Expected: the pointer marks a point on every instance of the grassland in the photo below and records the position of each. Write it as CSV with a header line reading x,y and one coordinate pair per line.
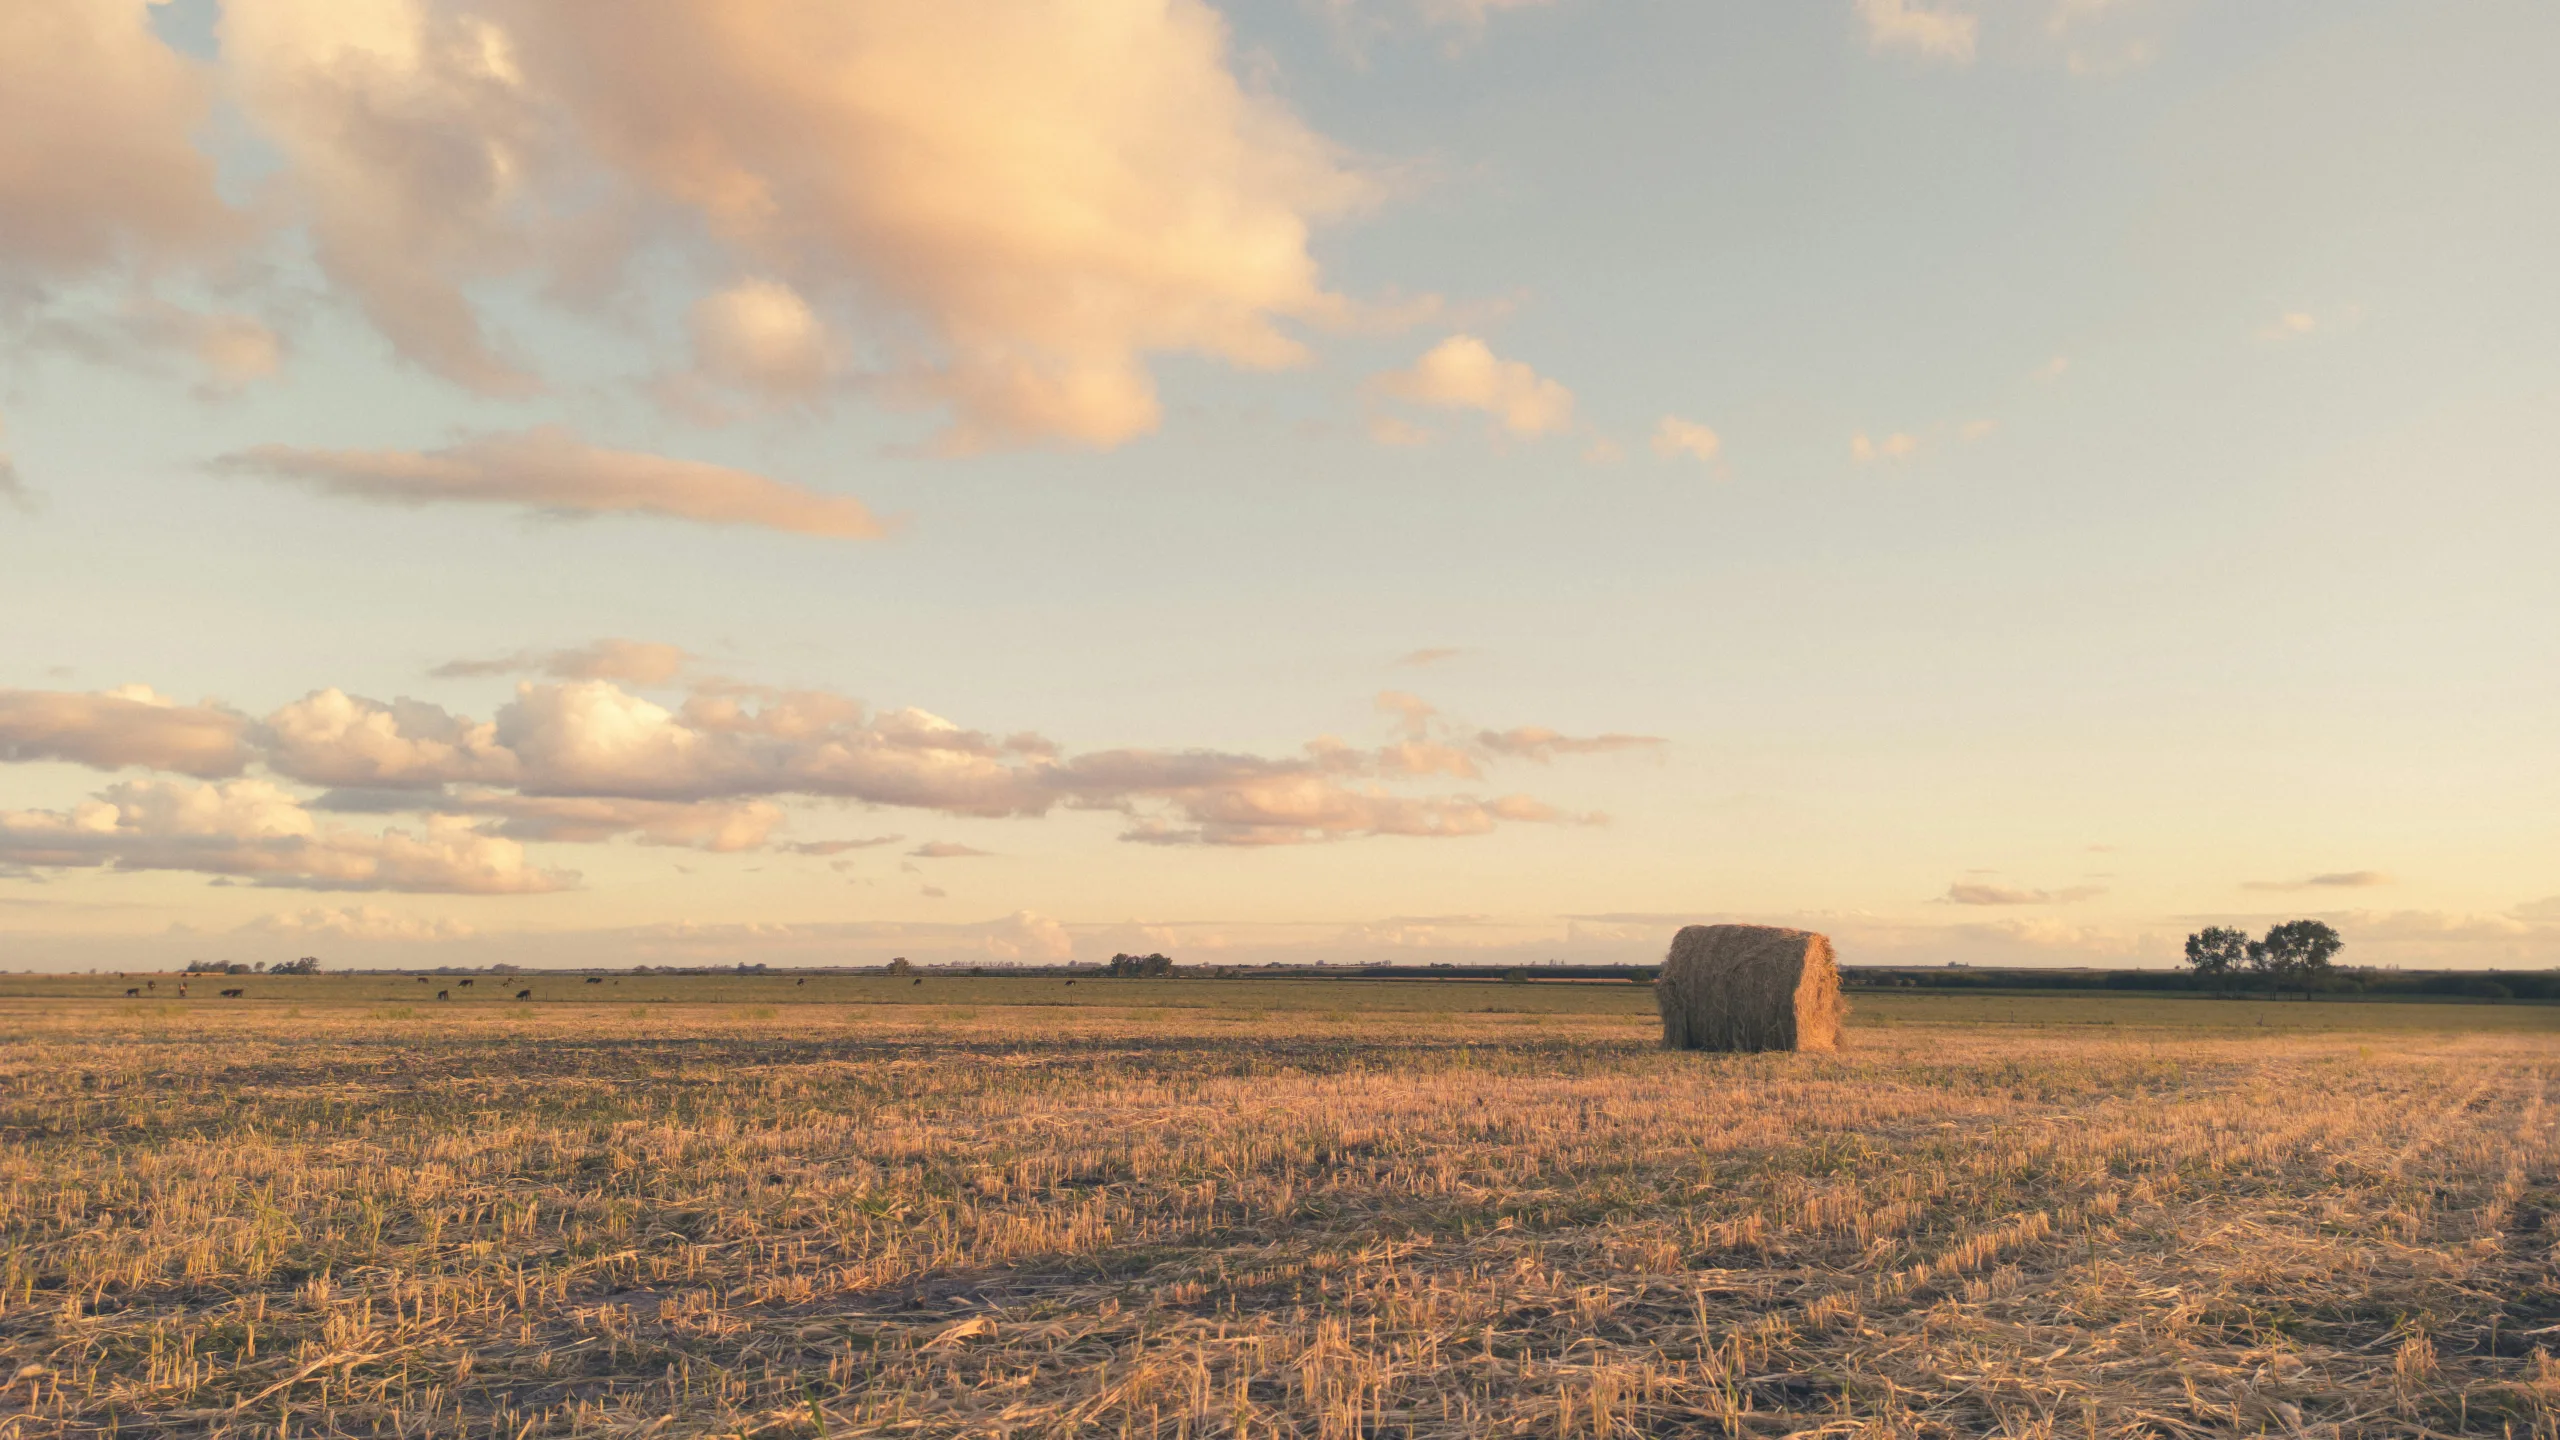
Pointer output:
x,y
689,1206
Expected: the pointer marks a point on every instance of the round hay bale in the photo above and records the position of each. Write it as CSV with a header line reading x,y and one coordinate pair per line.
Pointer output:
x,y
1749,987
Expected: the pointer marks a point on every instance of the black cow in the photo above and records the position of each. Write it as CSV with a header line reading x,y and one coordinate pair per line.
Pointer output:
x,y
132,993
233,994
444,994
919,979
595,979
466,984
524,994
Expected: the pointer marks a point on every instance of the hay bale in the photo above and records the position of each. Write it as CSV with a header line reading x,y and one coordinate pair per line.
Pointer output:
x,y
1749,987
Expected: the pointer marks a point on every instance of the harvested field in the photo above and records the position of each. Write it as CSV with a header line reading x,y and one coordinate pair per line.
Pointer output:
x,y
1139,1219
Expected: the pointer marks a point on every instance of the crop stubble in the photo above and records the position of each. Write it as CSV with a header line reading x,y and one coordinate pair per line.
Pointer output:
x,y
1049,1222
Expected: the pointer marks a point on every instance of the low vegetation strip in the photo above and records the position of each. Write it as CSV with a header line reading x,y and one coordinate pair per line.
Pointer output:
x,y
859,1219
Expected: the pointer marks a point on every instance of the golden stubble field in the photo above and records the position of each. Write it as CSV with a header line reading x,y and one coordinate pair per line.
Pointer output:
x,y
671,1219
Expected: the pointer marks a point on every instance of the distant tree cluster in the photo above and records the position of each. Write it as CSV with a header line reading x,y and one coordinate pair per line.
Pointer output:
x,y
2294,955
1144,967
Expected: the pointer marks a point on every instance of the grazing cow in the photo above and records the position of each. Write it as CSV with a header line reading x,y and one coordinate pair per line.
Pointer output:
x,y
233,994
133,992
1071,982
524,994
466,984
799,982
595,979
919,979
421,979
444,994
150,984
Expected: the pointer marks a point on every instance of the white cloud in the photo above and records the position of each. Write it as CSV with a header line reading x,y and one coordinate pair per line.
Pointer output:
x,y
111,729
948,850
359,922
550,472
1932,34
1983,892
254,830
329,737
721,826
1462,373
410,136
760,335
587,761
13,490
638,662
1537,742
1896,446
1023,203
1973,430
2334,880
1431,655
96,167
1674,437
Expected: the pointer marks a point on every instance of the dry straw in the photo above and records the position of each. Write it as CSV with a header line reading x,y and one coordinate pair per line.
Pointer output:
x,y
1749,987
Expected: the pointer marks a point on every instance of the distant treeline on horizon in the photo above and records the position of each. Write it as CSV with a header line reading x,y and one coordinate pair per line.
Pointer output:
x,y
2344,983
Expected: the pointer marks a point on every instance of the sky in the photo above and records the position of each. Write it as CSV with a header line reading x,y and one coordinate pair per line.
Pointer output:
x,y
1485,481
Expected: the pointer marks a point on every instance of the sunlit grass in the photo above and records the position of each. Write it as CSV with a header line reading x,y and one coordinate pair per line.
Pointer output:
x,y
397,1217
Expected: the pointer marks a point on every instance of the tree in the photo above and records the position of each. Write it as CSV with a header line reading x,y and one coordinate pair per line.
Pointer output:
x,y
2217,950
2296,952
1148,967
900,966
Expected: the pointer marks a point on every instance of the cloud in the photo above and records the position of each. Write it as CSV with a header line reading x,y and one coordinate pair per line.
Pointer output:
x,y
13,490
2432,926
839,847
230,350
1397,431
1973,430
638,662
722,826
111,729
586,761
329,737
1462,373
411,144
550,472
1896,446
1536,742
1674,437
759,335
96,165
252,829
1967,892
1431,655
2334,880
947,850
1931,34
360,922
1020,203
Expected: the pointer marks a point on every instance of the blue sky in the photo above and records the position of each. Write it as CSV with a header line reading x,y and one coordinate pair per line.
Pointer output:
x,y
2117,464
